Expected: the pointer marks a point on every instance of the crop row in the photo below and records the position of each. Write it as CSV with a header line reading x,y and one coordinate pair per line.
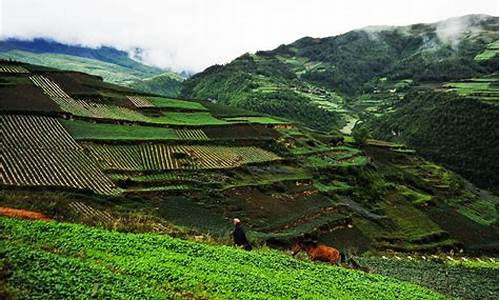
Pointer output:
x,y
169,176
65,261
90,212
65,168
59,96
104,111
50,88
13,69
140,102
191,134
163,188
37,132
84,108
38,151
167,157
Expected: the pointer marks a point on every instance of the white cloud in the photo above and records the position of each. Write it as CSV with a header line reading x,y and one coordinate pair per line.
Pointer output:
x,y
194,34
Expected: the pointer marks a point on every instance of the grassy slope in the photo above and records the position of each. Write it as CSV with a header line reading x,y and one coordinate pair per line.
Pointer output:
x,y
163,102
165,84
144,78
459,280
64,261
316,74
370,71
460,133
108,71
82,130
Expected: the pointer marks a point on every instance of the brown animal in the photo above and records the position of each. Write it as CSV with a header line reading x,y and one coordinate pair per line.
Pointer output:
x,y
317,252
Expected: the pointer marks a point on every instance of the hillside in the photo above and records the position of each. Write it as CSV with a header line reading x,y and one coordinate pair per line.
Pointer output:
x,y
87,146
78,149
332,83
73,261
112,65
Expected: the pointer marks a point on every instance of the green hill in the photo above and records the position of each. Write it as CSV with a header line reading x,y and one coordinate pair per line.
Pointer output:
x,y
331,83
112,65
82,150
67,261
213,160
165,84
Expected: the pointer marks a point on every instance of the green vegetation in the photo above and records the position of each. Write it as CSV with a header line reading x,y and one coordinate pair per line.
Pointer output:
x,y
163,102
111,64
341,156
315,80
82,130
457,279
415,197
490,52
166,84
335,186
71,261
191,118
257,120
484,89
360,134
460,133
108,71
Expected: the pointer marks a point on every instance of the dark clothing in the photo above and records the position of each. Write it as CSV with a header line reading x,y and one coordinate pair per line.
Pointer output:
x,y
239,237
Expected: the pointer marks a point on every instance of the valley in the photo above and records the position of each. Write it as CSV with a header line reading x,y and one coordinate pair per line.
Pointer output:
x,y
117,182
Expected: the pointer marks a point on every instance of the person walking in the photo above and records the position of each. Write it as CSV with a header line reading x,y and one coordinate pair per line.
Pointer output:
x,y
239,237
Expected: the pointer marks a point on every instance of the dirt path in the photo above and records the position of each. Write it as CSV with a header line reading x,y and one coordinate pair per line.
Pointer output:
x,y
22,214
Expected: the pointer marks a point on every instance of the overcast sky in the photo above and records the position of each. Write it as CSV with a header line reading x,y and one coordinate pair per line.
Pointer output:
x,y
194,34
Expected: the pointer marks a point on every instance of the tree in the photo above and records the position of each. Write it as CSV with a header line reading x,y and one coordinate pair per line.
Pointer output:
x,y
360,133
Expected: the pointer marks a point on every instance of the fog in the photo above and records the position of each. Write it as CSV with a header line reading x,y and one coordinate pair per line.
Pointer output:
x,y
194,34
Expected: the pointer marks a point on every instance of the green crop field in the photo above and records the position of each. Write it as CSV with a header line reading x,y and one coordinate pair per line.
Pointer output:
x,y
165,157
457,278
258,120
65,261
490,52
108,71
103,111
188,118
82,130
485,89
164,102
38,151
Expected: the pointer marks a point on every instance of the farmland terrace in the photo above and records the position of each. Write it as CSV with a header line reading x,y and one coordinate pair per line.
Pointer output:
x,y
106,155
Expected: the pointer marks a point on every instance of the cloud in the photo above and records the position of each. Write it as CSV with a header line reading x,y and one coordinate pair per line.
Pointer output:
x,y
194,34
452,31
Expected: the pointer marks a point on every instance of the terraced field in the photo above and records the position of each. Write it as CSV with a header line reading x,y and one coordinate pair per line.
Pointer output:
x,y
83,130
38,152
85,108
161,267
191,134
175,104
87,211
140,102
484,89
13,69
167,157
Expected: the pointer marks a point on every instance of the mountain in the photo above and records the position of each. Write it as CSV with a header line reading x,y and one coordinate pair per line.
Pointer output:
x,y
367,76
187,159
157,171
111,64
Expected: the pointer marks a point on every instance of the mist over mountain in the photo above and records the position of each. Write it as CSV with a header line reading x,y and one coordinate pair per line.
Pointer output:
x,y
113,65
365,76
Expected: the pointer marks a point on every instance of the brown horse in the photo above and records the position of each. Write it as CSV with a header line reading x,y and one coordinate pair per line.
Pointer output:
x,y
317,252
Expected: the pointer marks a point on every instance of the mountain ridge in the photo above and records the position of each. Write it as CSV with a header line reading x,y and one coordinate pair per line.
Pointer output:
x,y
333,83
114,65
